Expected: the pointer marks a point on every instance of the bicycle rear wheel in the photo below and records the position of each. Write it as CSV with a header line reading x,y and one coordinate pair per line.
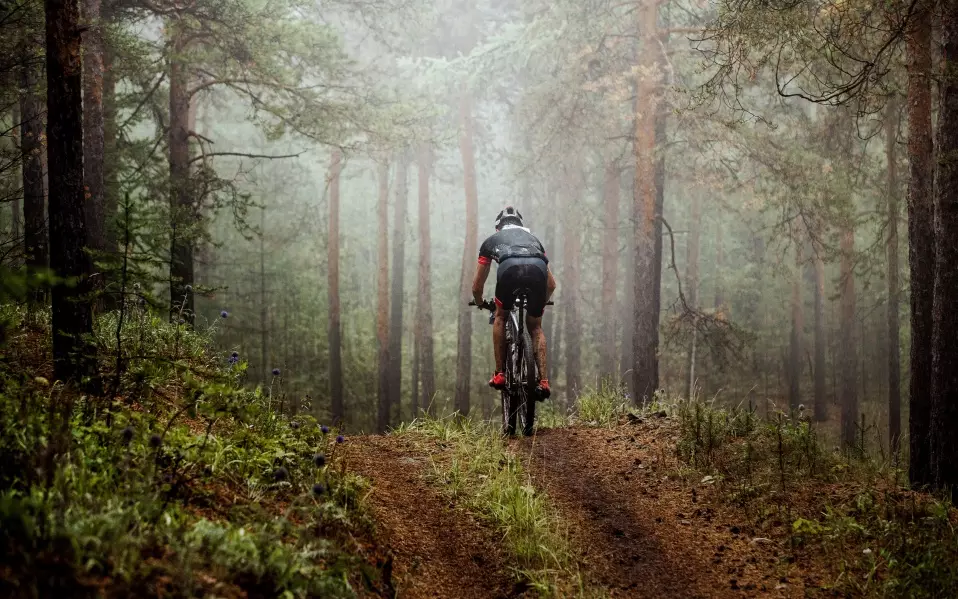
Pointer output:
x,y
528,379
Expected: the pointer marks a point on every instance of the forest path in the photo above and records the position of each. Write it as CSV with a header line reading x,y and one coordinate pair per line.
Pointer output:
x,y
640,532
438,550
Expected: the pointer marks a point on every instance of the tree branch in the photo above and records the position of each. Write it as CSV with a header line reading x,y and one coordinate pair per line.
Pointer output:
x,y
244,155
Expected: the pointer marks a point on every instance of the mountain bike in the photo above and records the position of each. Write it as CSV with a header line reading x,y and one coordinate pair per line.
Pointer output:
x,y
522,375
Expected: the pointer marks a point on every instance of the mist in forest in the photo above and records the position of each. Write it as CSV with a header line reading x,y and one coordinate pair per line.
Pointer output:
x,y
310,182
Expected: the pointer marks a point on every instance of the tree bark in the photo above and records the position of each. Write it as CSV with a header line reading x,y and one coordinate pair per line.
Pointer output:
x,y
424,305
796,351
181,201
921,242
821,409
337,408
692,282
35,244
944,359
396,299
111,186
382,295
93,133
469,255
263,302
849,351
610,270
74,357
894,347
645,338
16,208
570,286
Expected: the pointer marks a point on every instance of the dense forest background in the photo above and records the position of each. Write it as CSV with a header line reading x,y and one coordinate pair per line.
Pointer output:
x,y
720,187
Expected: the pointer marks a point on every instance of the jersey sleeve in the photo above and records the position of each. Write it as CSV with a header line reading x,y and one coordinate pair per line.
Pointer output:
x,y
485,252
542,248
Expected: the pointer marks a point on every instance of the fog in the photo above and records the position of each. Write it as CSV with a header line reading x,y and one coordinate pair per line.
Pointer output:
x,y
680,194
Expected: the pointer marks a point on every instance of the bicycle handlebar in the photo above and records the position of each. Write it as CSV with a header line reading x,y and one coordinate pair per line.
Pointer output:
x,y
491,306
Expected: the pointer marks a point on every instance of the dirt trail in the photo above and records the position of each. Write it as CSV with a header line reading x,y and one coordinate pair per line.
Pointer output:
x,y
641,534
438,550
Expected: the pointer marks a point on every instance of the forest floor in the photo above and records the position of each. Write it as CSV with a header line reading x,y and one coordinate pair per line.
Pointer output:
x,y
638,528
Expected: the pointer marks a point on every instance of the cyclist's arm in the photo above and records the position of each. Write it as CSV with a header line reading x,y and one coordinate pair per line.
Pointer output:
x,y
550,284
479,282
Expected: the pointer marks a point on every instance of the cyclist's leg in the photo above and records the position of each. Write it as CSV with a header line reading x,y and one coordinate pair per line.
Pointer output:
x,y
538,335
536,278
499,337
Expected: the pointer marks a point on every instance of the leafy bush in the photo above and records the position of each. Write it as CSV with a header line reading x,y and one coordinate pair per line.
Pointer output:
x,y
183,480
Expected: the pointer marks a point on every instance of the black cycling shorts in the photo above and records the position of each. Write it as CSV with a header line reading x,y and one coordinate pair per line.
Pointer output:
x,y
515,274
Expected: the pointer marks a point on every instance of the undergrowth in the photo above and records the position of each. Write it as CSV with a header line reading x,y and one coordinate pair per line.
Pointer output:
x,y
480,472
179,483
846,508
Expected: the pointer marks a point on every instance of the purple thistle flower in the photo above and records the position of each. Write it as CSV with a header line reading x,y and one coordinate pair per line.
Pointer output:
x,y
320,460
340,439
324,429
155,440
224,314
276,372
281,474
127,435
319,489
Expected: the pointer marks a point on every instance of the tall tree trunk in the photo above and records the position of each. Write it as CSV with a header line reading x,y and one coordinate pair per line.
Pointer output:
x,y
181,202
93,134
263,304
610,269
944,358
894,348
111,186
921,242
469,255
692,282
796,351
570,286
821,410
382,301
849,376
16,208
720,266
424,305
35,246
335,329
645,339
74,358
396,299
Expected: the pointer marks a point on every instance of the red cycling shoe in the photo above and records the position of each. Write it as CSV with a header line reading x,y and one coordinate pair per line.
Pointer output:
x,y
498,381
543,389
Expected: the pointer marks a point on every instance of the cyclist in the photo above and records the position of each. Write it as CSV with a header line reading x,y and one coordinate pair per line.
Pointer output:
x,y
522,263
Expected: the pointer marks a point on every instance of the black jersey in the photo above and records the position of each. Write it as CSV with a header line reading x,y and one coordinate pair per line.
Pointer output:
x,y
511,241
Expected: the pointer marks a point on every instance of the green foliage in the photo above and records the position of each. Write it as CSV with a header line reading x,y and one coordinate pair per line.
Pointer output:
x,y
882,540
603,405
199,487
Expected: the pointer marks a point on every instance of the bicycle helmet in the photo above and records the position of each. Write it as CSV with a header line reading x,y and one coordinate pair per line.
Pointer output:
x,y
508,216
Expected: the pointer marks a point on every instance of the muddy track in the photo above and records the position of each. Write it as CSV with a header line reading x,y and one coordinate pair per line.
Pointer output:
x,y
640,535
437,549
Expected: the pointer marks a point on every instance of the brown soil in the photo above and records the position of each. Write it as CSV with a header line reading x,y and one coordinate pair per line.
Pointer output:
x,y
641,529
438,550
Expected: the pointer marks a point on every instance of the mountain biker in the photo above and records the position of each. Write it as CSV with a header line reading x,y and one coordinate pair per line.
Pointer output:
x,y
522,263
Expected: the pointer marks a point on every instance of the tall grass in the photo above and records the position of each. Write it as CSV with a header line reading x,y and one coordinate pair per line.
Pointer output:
x,y
482,473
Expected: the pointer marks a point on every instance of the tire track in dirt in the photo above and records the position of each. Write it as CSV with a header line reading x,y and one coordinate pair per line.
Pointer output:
x,y
437,550
636,536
